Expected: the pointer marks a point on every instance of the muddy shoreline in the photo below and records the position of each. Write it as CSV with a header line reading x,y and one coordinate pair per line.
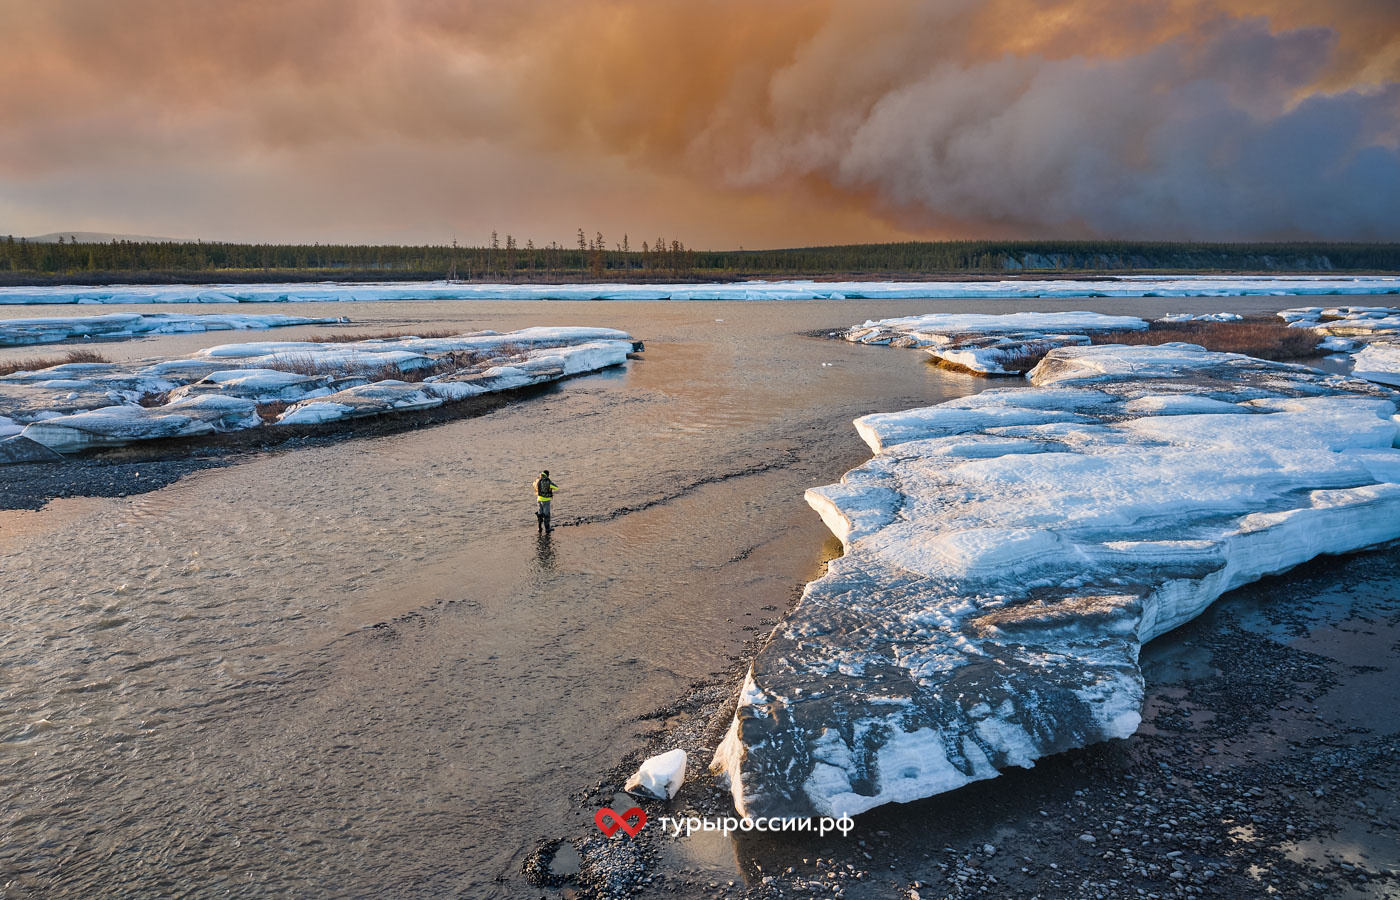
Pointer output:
x,y
1261,768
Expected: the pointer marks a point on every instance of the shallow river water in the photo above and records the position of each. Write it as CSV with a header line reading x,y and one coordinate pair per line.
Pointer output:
x,y
354,669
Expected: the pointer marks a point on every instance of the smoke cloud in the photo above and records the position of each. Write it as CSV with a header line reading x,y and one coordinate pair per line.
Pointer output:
x,y
723,122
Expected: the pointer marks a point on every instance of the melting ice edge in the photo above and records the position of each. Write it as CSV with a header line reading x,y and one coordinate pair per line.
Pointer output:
x,y
1007,555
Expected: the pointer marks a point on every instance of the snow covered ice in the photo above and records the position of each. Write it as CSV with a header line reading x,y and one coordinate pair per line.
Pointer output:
x,y
1379,362
78,406
1126,286
1373,332
1202,317
1345,321
118,425
660,777
1008,553
991,344
50,330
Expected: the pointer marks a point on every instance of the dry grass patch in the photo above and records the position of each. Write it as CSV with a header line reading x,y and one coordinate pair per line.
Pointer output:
x,y
270,410
939,362
1260,338
35,363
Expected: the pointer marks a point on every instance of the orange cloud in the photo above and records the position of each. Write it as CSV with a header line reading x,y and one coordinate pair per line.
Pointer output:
x,y
721,122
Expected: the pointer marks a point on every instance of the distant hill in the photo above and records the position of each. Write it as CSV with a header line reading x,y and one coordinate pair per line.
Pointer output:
x,y
101,237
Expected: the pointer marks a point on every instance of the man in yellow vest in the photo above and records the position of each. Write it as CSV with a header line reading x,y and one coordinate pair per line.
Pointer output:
x,y
544,493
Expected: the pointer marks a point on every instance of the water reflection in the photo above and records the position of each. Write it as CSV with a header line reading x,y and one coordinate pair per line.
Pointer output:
x,y
544,552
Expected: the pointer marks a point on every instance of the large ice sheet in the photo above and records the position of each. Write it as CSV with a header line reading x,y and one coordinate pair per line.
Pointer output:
x,y
78,406
1127,286
1007,554
49,330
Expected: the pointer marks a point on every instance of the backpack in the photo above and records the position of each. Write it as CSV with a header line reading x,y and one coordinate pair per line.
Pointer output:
x,y
542,487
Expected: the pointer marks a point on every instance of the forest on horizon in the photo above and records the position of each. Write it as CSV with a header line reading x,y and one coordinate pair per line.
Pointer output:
x,y
26,262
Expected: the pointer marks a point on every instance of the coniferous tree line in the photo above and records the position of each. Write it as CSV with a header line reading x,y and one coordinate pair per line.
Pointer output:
x,y
592,257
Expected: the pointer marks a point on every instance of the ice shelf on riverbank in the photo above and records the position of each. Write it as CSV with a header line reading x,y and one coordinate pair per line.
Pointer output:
x,y
1008,553
1123,286
232,387
991,344
53,329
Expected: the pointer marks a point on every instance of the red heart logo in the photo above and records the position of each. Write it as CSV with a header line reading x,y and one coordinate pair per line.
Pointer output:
x,y
609,821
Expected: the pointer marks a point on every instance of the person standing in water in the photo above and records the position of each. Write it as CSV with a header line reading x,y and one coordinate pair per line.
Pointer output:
x,y
544,493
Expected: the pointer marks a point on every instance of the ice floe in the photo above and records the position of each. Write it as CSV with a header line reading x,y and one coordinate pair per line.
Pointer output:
x,y
1379,362
1202,317
265,385
1008,553
361,400
20,449
660,777
78,406
1373,332
991,344
18,332
114,426
1345,321
1125,286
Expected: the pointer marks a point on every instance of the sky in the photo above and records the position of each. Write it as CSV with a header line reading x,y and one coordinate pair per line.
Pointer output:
x,y
720,123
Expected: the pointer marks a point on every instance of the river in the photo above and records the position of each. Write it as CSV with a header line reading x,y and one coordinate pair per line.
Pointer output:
x,y
353,669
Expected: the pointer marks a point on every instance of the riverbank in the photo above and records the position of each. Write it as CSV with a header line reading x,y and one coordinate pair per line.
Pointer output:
x,y
1265,764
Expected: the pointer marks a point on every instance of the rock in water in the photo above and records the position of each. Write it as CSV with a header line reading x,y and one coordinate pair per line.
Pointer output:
x,y
1007,554
660,777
